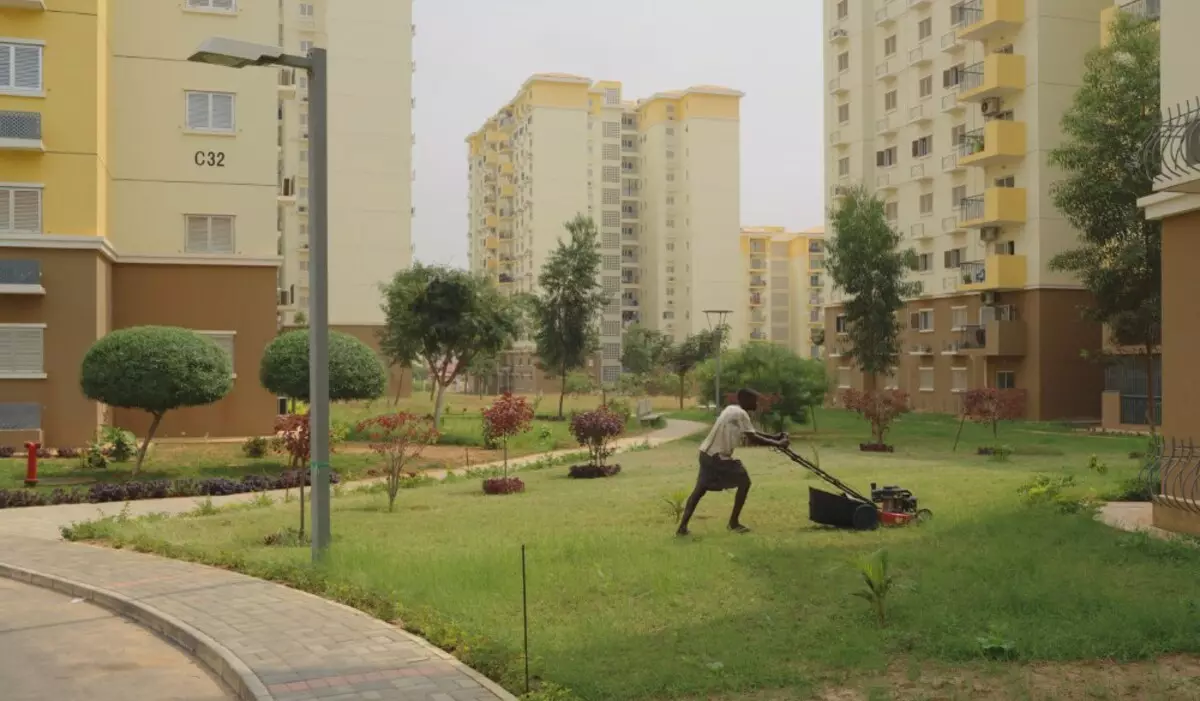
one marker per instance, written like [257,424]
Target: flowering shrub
[508,416]
[7,451]
[503,485]
[879,407]
[990,406]
[595,430]
[398,438]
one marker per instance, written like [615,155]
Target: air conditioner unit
[989,233]
[990,106]
[988,298]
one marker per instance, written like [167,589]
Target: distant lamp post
[716,322]
[232,53]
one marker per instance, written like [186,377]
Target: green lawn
[619,609]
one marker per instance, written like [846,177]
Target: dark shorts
[718,474]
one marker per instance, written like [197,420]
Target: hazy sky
[473,55]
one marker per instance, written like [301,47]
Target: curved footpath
[264,640]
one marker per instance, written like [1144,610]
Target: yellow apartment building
[1176,202]
[135,188]
[370,156]
[660,176]
[784,287]
[948,109]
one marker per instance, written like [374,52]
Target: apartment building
[785,287]
[1176,203]
[659,176]
[135,188]
[948,109]
[369,44]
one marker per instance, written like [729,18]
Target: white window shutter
[197,234]
[221,235]
[27,210]
[197,110]
[27,351]
[222,112]
[6,66]
[198,3]
[223,4]
[6,223]
[27,67]
[223,340]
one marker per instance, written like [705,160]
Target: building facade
[947,110]
[784,287]
[659,176]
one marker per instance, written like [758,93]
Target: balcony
[950,163]
[39,5]
[21,277]
[950,41]
[21,131]
[983,19]
[919,113]
[884,182]
[994,339]
[758,335]
[287,191]
[508,190]
[837,86]
[1142,9]
[838,36]
[920,56]
[994,273]
[505,279]
[887,13]
[950,103]
[491,242]
[919,172]
[287,80]
[506,168]
[630,277]
[998,142]
[887,69]
[997,75]
[756,300]
[627,301]
[758,281]
[885,126]
[997,206]
[491,221]
[837,140]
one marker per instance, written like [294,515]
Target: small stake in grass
[874,570]
[525,614]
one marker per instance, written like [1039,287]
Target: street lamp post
[719,315]
[232,53]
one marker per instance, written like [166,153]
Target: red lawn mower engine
[897,506]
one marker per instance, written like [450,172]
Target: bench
[645,412]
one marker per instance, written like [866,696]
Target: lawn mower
[888,505]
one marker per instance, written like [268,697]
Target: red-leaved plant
[879,407]
[398,438]
[990,406]
[595,430]
[292,438]
[508,416]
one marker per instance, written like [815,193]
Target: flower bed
[155,489]
[876,448]
[503,485]
[588,471]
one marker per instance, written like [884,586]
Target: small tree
[796,384]
[644,350]
[684,356]
[155,369]
[398,438]
[579,383]
[880,408]
[595,431]
[508,416]
[990,406]
[355,372]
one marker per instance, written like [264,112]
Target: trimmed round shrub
[588,472]
[503,485]
[355,372]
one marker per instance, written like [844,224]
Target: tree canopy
[355,372]
[644,350]
[797,384]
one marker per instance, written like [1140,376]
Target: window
[21,210]
[670,200]
[892,380]
[1009,181]
[839,323]
[1005,248]
[217,5]
[21,351]
[670,177]
[612,262]
[670,223]
[926,204]
[958,380]
[670,154]
[305,47]
[889,45]
[670,131]
[611,328]
[612,285]
[958,134]
[890,100]
[886,158]
[612,96]
[843,378]
[306,10]
[612,130]
[925,86]
[612,152]
[611,219]
[611,174]
[844,113]
[958,318]
[209,234]
[954,258]
[670,291]
[612,195]
[304,155]
[924,263]
[842,10]
[843,167]
[958,14]
[957,195]
[814,280]
[953,75]
[891,210]
[925,379]
[922,147]
[924,29]
[611,239]
[843,62]
[1006,379]
[925,320]
[210,111]
[612,351]
[223,339]
[20,67]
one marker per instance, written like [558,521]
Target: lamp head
[232,53]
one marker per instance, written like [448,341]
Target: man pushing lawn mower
[718,470]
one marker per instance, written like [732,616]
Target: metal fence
[1172,475]
[20,125]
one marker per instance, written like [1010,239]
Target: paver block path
[298,646]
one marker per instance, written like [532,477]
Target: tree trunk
[813,412]
[506,457]
[681,381]
[958,435]
[1150,413]
[399,390]
[137,466]
[439,402]
[562,394]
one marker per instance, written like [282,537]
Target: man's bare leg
[739,501]
[693,500]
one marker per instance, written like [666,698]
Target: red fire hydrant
[31,452]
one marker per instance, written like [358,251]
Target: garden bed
[588,471]
[876,448]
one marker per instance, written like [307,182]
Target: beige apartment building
[371,140]
[784,287]
[948,110]
[660,177]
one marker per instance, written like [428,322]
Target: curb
[245,685]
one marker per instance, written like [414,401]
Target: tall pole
[720,334]
[318,275]
[719,326]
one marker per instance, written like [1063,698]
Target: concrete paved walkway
[104,658]
[264,640]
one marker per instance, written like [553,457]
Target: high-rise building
[785,287]
[947,110]
[660,177]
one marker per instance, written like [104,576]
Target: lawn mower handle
[811,467]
